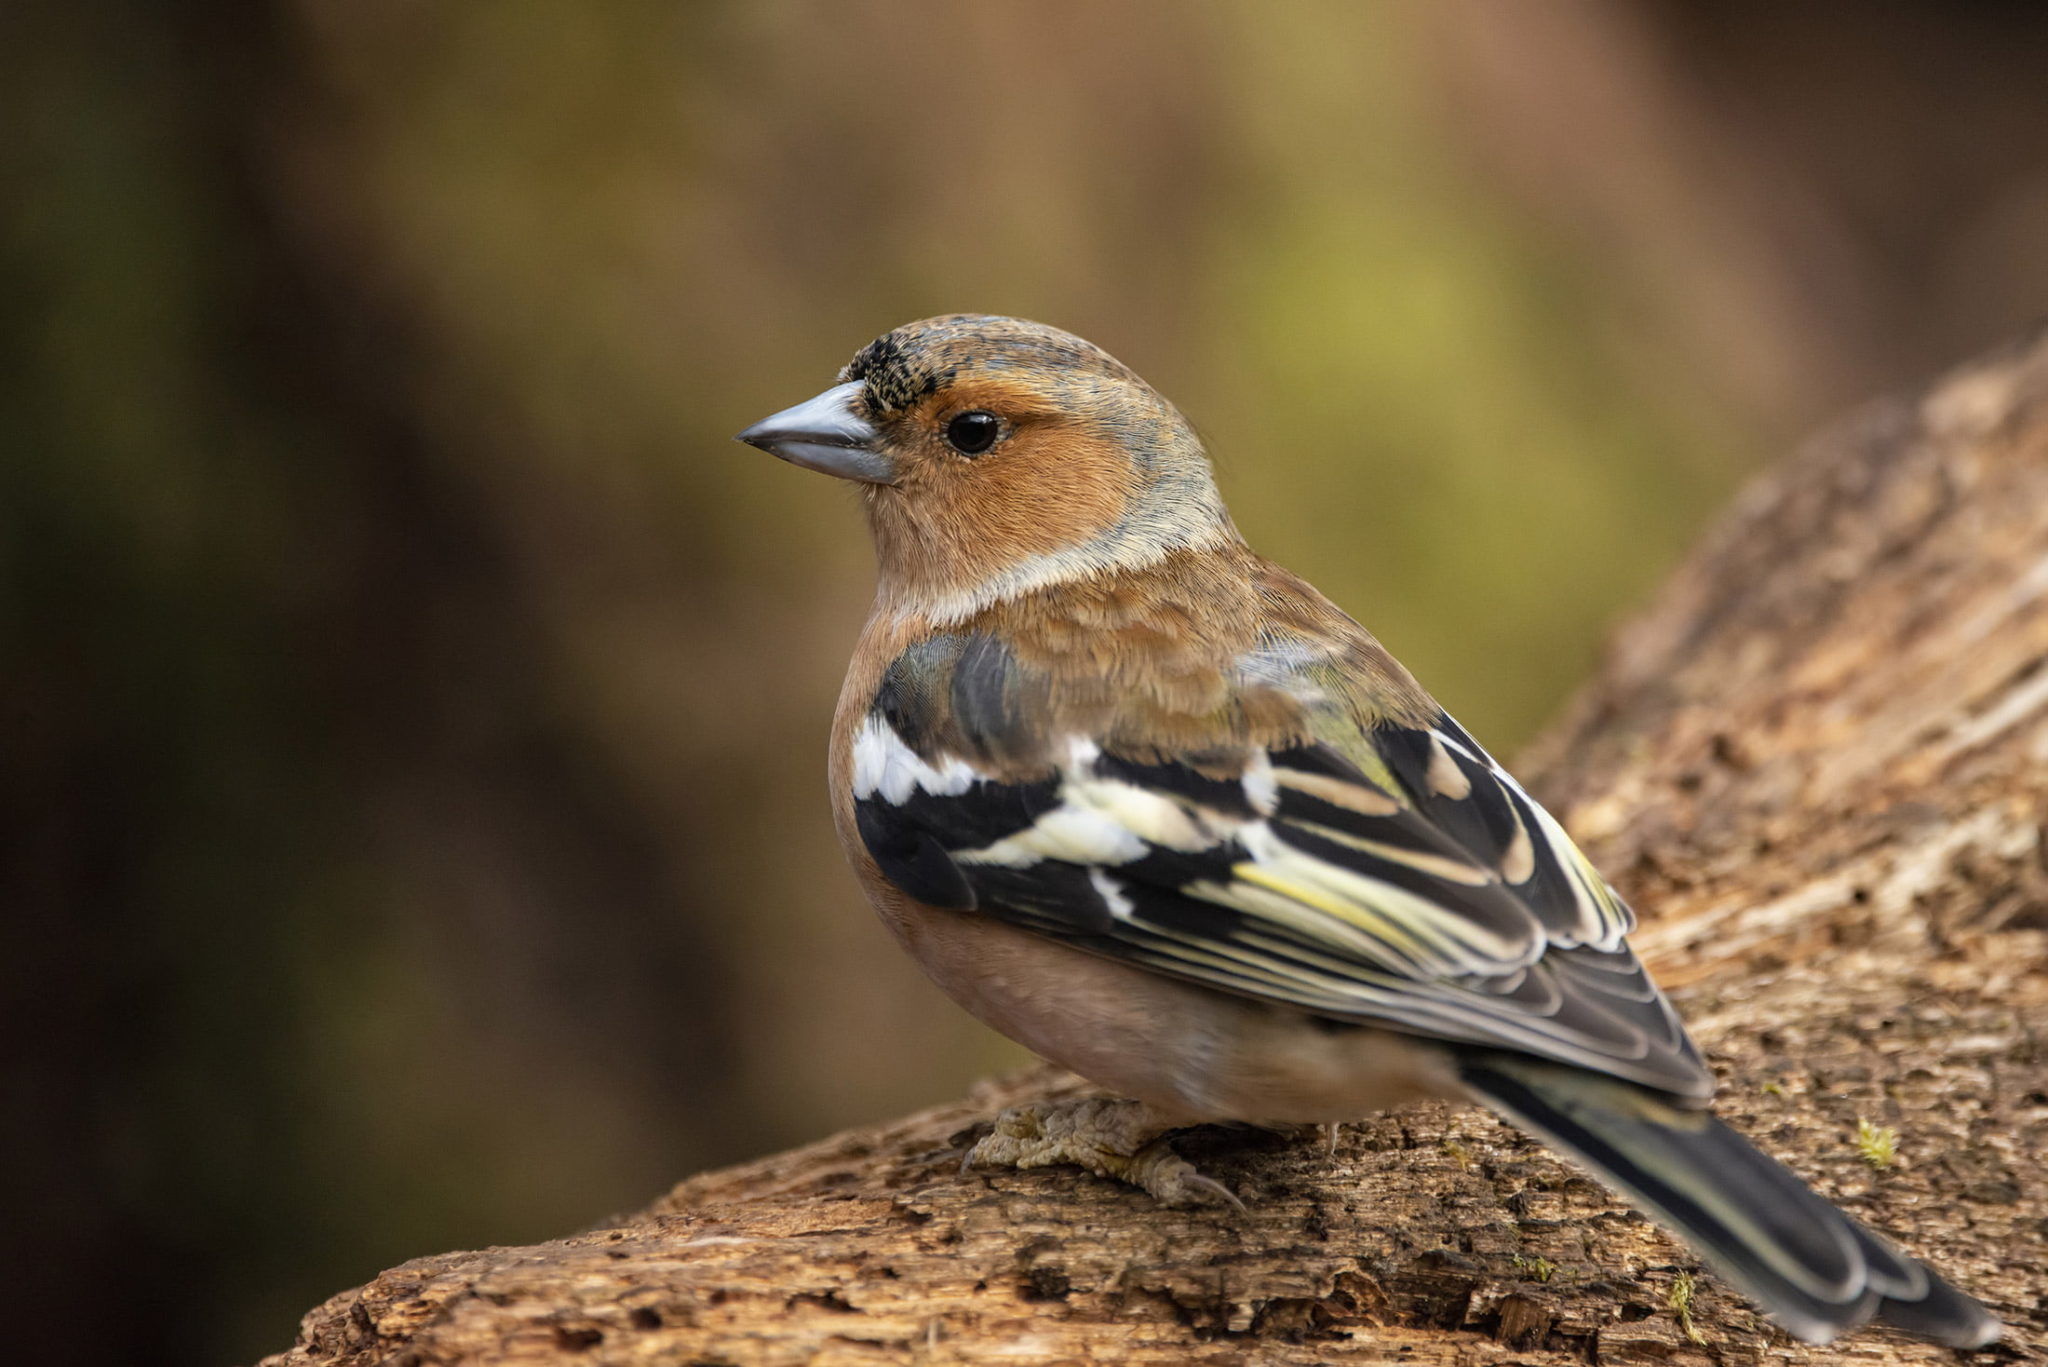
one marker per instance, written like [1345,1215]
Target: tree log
[1818,764]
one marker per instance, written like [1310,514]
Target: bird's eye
[973,433]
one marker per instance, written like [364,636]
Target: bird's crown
[919,359]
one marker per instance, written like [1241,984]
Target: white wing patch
[1070,833]
[1261,784]
[1109,821]
[1112,895]
[1152,817]
[886,767]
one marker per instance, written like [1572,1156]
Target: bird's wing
[1364,871]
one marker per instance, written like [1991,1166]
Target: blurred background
[413,704]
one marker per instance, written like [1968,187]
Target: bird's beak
[827,435]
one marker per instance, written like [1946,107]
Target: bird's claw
[1120,1140]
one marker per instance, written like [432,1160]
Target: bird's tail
[1816,1271]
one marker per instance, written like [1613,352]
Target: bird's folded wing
[1376,873]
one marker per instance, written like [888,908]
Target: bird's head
[997,456]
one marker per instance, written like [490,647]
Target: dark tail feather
[1816,1271]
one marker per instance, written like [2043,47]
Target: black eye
[973,433]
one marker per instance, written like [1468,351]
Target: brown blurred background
[412,833]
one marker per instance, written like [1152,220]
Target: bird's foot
[1121,1140]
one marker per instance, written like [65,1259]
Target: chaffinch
[1153,807]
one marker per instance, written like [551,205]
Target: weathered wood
[1818,764]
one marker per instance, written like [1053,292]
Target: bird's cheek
[1063,493]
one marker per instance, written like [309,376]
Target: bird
[1155,808]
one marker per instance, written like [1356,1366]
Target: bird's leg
[1122,1140]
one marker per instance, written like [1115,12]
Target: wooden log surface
[1818,765]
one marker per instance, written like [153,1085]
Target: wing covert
[1421,889]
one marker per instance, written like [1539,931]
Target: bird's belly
[1181,1048]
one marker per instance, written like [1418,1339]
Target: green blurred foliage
[416,702]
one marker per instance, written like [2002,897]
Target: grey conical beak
[826,434]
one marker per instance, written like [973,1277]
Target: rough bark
[1819,766]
